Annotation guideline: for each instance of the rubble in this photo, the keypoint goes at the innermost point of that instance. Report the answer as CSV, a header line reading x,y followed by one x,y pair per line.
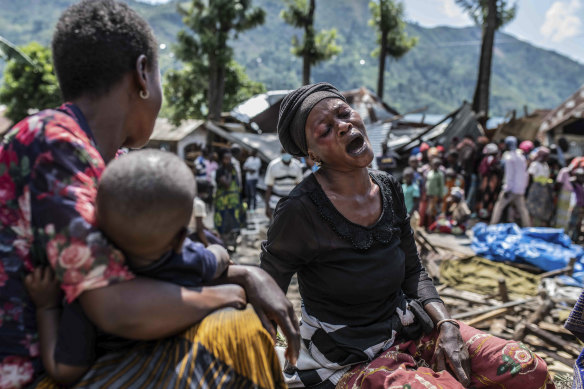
x,y
534,315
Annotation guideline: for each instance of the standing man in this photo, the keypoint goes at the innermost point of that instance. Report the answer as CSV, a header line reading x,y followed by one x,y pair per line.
x,y
251,167
282,175
514,184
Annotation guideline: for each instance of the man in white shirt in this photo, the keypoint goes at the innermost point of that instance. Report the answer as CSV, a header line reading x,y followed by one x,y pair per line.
x,y
252,166
515,183
282,175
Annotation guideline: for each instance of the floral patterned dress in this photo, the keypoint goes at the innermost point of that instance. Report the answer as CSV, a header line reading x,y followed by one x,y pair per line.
x,y
49,169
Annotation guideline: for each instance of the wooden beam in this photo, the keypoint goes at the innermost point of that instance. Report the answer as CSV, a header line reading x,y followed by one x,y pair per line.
x,y
493,308
542,311
486,316
503,295
553,339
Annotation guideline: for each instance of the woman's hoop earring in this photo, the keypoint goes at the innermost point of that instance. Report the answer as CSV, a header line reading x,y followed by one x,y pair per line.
x,y
318,163
144,94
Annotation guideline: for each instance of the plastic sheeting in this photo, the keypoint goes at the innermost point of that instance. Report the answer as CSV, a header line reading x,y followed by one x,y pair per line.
x,y
547,248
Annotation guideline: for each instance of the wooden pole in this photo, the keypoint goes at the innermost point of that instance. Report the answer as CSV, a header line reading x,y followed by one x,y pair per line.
x,y
537,316
503,295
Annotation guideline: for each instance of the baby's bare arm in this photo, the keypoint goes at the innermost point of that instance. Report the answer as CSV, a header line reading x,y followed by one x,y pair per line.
x,y
44,291
222,257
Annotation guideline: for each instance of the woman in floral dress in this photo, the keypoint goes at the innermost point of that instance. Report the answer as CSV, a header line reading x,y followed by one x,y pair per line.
x,y
105,58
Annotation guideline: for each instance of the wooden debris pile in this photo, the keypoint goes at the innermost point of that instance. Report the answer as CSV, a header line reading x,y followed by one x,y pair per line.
x,y
536,321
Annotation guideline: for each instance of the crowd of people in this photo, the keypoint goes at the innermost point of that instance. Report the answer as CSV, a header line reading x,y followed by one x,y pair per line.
x,y
445,186
227,182
508,181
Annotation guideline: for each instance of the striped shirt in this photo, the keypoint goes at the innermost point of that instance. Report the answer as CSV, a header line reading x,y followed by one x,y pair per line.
x,y
282,178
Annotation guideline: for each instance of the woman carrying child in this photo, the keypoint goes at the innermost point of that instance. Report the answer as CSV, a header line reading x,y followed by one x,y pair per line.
x,y
105,57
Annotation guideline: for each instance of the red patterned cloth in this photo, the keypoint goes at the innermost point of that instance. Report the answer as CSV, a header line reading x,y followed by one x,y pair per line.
x,y
495,363
49,169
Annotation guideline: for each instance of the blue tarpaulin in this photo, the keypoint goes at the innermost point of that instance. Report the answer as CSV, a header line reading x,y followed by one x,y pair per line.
x,y
547,248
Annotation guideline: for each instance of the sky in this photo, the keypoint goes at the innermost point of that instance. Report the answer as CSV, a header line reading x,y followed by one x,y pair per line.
x,y
552,24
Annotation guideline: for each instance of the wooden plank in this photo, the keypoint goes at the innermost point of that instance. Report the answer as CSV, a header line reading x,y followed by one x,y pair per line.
x,y
566,361
493,308
544,325
486,316
553,339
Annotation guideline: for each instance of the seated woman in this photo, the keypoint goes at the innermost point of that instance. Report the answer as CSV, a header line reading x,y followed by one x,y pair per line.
x,y
105,58
371,316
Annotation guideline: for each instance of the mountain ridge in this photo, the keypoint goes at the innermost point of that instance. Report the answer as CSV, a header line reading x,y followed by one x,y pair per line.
x,y
440,72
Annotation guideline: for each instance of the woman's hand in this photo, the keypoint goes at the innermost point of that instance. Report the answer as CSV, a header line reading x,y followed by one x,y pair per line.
x,y
452,354
43,288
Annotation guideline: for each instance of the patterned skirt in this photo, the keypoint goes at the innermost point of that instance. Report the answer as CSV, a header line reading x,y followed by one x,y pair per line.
x,y
229,213
495,363
227,349
540,204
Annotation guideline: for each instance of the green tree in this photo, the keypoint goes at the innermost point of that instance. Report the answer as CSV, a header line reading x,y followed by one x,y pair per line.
x,y
315,47
185,90
491,15
29,85
387,18
206,54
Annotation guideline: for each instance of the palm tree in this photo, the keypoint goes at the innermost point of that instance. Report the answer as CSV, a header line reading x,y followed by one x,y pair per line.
x,y
491,15
387,18
316,46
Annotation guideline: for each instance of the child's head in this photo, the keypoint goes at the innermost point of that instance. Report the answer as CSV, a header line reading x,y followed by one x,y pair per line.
x,y
456,194
144,203
408,175
450,173
413,162
436,163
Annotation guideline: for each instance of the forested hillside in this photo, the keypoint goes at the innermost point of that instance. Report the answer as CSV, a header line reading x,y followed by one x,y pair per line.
x,y
440,72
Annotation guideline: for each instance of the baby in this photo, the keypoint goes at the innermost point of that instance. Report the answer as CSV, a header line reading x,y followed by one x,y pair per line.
x,y
144,204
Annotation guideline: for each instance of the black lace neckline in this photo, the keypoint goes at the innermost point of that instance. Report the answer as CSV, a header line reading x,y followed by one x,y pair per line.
x,y
361,237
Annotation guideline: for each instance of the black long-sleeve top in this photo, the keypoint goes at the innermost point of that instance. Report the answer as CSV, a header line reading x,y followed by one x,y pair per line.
x,y
348,274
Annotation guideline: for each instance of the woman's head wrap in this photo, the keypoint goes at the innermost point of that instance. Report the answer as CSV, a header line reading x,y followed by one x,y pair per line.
x,y
542,152
294,111
490,149
526,146
511,143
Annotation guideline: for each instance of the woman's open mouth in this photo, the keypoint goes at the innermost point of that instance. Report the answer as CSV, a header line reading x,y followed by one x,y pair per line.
x,y
357,145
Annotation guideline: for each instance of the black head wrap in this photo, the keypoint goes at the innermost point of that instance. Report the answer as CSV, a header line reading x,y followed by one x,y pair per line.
x,y
294,111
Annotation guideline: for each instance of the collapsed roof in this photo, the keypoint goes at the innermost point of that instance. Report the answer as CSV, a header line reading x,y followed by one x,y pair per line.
x,y
568,116
384,124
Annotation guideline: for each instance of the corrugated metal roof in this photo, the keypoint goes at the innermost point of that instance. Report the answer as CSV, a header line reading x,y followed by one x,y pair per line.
x,y
570,110
267,145
166,131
